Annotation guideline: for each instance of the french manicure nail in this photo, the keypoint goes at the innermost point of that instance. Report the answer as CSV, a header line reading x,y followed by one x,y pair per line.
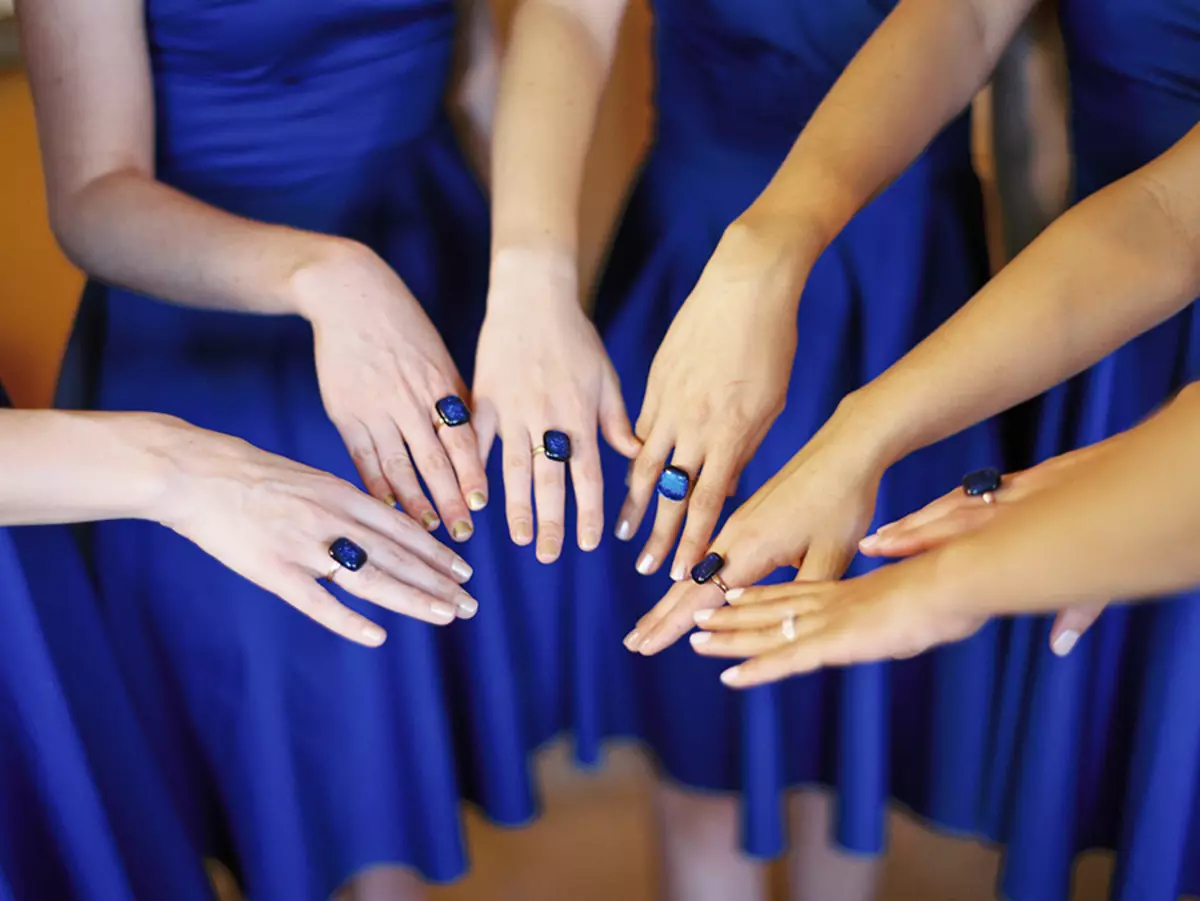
x,y
390,500
645,564
430,520
476,500
373,633
461,530
734,593
442,611
522,532
631,640
702,616
624,530
731,675
677,572
644,646
467,606
461,570
700,638
1065,642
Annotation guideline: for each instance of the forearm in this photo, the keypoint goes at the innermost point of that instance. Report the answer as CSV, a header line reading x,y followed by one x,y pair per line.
x,y
1126,526
473,99
1111,268
75,467
551,81
917,72
127,229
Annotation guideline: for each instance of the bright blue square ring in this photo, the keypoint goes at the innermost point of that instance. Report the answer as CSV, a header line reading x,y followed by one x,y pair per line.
x,y
556,446
347,554
452,410
674,483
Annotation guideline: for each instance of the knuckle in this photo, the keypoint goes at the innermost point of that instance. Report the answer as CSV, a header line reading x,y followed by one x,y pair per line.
x,y
516,461
435,465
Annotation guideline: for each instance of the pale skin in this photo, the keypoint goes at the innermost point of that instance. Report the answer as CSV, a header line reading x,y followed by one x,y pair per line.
x,y
1108,270
1121,521
267,518
381,371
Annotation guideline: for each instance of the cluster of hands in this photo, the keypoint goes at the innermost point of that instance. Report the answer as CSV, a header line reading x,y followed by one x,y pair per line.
x,y
717,383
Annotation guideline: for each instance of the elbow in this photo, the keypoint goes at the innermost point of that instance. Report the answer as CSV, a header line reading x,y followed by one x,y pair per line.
x,y
77,213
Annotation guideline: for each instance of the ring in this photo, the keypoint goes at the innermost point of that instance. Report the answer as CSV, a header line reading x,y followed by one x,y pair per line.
x,y
555,445
673,483
452,411
707,570
716,580
788,628
346,553
982,483
333,571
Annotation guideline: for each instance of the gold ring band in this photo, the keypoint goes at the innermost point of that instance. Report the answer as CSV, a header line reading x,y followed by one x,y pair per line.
x,y
540,449
716,580
989,497
333,571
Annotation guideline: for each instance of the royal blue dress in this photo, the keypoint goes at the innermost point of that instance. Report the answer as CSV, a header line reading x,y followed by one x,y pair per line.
x,y
1102,748
736,82
84,811
299,756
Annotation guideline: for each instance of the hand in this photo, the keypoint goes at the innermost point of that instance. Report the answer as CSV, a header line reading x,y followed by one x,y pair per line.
x,y
272,520
383,368
718,382
894,612
809,515
541,366
956,514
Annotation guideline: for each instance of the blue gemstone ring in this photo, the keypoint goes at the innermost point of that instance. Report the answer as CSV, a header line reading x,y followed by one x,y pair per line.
x,y
346,555
674,483
452,410
555,445
707,570
982,483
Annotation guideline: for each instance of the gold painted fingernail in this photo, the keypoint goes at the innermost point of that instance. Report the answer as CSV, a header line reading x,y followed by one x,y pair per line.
x,y
700,638
373,633
467,606
461,569
522,532
430,520
731,675
390,500
547,550
476,500
461,530
590,541
645,564
702,616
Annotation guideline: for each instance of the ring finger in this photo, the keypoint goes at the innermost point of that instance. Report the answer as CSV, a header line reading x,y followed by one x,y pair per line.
x,y
438,472
374,584
549,496
454,429
674,488
752,642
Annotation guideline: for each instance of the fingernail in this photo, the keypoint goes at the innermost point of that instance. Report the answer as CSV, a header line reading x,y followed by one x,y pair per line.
x,y
476,500
677,572
700,638
624,530
461,530
702,616
467,606
731,675
461,570
645,564
869,542
522,532
430,520
590,541
442,611
644,646
547,550
734,593
631,640
1065,642
373,633
390,500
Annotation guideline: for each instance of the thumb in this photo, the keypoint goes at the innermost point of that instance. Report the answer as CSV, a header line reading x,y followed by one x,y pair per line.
x,y
1070,624
614,420
485,420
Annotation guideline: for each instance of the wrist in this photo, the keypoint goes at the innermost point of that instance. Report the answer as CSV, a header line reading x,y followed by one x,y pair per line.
x,y
529,275
867,431
147,441
311,286
774,253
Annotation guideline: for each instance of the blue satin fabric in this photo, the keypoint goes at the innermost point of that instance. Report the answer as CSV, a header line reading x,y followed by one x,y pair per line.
x,y
84,813
736,82
1102,749
301,757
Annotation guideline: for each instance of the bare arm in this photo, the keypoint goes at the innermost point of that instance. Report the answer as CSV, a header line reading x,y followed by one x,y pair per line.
x,y
90,74
473,98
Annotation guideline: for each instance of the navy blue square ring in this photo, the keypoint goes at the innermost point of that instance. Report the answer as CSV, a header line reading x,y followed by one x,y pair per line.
x,y
555,445
708,570
346,555
982,483
452,411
